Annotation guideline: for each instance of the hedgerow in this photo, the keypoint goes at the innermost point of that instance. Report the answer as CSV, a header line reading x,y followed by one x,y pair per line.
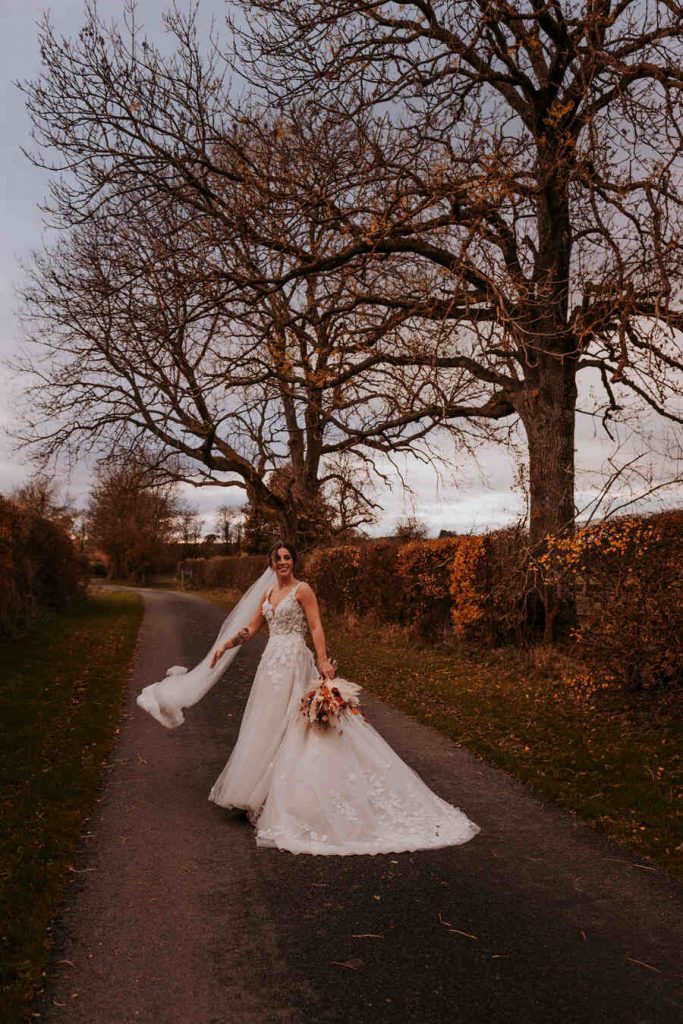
x,y
626,573
39,566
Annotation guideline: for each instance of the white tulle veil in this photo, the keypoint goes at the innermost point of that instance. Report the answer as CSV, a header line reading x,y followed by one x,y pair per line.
x,y
182,688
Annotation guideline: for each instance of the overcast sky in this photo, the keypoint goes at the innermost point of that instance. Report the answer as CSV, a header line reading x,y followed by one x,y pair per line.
x,y
464,499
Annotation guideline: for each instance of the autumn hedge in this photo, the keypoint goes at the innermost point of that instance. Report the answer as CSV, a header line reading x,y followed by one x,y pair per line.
x,y
626,572
229,572
629,577
39,566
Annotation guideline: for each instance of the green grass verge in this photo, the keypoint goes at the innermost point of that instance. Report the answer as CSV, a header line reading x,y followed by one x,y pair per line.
x,y
614,759
60,701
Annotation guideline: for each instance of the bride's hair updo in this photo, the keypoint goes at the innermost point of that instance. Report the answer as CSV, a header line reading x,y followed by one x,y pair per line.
x,y
282,544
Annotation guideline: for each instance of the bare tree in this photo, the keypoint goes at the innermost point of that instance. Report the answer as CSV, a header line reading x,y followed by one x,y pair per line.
x,y
257,531
131,516
188,529
185,329
43,495
531,152
410,528
229,521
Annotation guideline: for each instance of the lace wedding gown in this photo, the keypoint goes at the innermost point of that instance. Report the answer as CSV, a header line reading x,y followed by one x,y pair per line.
x,y
335,791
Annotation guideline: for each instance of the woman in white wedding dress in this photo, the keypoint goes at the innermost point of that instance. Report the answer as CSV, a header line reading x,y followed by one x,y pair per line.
x,y
310,790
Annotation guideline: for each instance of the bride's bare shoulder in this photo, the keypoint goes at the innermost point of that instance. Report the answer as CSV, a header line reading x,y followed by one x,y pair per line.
x,y
304,591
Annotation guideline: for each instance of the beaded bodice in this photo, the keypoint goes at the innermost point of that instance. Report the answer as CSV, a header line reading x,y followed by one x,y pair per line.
x,y
288,618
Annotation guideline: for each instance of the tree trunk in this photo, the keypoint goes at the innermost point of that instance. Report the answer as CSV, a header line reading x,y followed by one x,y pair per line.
x,y
548,413
289,525
300,521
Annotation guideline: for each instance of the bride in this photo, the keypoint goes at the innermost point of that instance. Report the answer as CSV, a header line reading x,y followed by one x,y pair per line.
x,y
336,790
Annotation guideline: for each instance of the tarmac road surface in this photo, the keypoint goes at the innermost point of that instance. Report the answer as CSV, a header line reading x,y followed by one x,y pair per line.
x,y
176,917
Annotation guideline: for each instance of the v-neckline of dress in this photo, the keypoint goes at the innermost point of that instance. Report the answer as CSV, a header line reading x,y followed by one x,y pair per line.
x,y
289,593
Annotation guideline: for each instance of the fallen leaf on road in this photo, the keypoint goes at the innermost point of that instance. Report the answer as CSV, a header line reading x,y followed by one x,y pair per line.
x,y
468,935
452,928
643,964
582,934
367,935
350,965
69,962
497,956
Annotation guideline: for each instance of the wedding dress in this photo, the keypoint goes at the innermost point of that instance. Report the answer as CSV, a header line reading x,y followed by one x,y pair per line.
x,y
333,791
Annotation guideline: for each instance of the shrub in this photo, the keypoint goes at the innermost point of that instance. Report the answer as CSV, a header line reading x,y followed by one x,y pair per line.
x,y
626,572
335,574
39,566
359,578
424,569
630,630
232,572
507,554
469,577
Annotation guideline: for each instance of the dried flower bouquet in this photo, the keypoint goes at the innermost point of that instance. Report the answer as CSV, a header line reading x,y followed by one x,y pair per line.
x,y
326,703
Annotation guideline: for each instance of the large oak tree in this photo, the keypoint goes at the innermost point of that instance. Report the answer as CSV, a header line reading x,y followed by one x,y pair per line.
x,y
531,150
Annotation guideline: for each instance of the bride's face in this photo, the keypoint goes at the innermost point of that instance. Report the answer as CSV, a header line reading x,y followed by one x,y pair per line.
x,y
283,563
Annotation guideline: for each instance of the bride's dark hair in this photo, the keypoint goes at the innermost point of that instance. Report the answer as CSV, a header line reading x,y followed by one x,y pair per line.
x,y
282,544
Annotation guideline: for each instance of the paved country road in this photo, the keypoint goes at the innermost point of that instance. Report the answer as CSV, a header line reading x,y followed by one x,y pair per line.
x,y
176,917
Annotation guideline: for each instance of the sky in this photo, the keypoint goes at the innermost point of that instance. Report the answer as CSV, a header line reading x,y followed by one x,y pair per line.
x,y
464,497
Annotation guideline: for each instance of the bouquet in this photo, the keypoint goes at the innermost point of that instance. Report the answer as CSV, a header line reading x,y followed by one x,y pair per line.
x,y
326,703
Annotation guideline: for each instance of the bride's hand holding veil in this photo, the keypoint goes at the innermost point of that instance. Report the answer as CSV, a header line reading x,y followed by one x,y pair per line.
x,y
236,641
167,699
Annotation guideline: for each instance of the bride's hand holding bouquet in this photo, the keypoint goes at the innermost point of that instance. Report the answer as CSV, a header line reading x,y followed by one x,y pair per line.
x,y
327,668
327,702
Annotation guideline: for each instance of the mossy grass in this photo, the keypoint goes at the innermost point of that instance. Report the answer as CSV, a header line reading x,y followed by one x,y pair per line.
x,y
612,757
61,691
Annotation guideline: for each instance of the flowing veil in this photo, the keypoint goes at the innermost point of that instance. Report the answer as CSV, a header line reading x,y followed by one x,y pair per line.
x,y
182,688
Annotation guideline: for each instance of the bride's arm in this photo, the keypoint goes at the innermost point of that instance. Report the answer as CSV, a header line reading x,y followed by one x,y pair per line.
x,y
241,637
309,602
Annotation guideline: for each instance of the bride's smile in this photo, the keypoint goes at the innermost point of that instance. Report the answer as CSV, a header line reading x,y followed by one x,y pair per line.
x,y
283,564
